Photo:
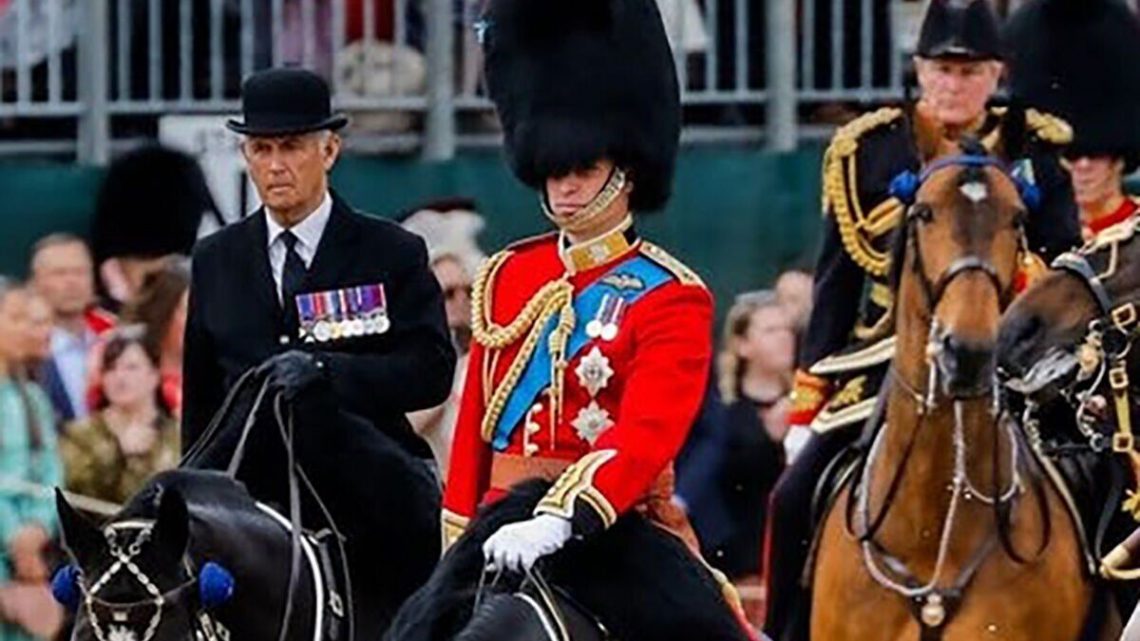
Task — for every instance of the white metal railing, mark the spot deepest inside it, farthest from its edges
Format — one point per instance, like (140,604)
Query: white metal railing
(398,63)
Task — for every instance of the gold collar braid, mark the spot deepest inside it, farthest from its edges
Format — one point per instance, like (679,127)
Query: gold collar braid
(554,298)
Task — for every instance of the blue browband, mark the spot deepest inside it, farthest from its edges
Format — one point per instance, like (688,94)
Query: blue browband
(905,186)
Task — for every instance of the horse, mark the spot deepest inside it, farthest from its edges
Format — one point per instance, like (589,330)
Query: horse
(359,535)
(1071,336)
(634,581)
(947,528)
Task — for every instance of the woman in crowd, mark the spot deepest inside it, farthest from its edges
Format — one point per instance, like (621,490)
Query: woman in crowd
(29,467)
(131,436)
(161,307)
(754,376)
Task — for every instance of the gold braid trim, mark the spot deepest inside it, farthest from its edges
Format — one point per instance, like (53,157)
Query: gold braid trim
(553,298)
(841,192)
(577,482)
(453,526)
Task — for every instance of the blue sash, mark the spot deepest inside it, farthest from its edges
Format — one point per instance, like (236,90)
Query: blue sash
(536,377)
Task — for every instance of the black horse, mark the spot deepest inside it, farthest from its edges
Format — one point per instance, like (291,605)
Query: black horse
(369,536)
(632,582)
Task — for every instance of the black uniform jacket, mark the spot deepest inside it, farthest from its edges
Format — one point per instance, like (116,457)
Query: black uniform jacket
(851,293)
(235,322)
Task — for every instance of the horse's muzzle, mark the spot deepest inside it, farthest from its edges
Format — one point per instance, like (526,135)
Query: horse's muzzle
(967,368)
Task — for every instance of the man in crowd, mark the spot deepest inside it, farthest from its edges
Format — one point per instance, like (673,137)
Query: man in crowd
(62,273)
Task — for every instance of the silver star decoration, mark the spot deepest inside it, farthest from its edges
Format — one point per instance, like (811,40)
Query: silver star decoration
(591,422)
(594,371)
(599,252)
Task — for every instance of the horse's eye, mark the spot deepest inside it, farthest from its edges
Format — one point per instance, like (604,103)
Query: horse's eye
(1019,219)
(921,212)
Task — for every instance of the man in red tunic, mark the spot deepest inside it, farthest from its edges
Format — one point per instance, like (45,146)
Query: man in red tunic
(591,346)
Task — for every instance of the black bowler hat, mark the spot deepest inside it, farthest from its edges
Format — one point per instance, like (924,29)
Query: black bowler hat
(960,29)
(278,102)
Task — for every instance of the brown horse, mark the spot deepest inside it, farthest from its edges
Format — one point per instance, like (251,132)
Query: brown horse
(951,530)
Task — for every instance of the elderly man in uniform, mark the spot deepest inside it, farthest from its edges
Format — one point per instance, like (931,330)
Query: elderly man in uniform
(849,340)
(308,288)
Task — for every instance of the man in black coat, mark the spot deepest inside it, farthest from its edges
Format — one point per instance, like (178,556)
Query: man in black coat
(308,289)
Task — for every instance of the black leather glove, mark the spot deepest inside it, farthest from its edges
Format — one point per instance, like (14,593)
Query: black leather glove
(292,372)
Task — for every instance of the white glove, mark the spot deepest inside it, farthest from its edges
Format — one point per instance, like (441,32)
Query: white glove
(517,546)
(795,440)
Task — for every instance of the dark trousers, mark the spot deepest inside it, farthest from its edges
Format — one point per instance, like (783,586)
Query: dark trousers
(792,531)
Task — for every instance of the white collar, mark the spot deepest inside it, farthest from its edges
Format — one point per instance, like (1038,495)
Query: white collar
(309,230)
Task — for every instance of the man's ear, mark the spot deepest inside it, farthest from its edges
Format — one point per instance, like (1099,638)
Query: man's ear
(331,150)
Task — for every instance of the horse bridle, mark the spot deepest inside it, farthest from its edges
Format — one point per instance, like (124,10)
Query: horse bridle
(933,606)
(205,626)
(1108,343)
(920,212)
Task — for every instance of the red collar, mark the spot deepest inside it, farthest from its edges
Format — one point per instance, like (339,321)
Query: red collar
(1122,213)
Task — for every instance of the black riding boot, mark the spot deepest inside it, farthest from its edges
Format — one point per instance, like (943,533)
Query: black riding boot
(792,531)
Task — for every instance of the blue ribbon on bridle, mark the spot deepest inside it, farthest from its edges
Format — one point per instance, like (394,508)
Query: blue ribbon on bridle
(905,185)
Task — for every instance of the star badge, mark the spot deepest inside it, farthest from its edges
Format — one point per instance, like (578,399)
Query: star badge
(591,422)
(594,371)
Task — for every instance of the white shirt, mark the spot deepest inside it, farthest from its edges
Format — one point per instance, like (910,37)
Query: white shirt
(308,233)
(70,353)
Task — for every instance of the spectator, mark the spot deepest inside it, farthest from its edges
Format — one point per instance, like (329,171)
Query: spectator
(62,273)
(149,208)
(132,435)
(794,290)
(449,227)
(37,346)
(160,307)
(28,462)
(754,375)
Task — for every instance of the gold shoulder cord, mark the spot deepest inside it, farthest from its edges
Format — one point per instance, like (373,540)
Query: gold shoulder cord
(841,193)
(553,298)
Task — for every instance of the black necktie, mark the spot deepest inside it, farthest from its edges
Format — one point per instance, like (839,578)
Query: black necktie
(292,275)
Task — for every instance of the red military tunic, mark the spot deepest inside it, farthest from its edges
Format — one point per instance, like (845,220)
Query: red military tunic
(627,402)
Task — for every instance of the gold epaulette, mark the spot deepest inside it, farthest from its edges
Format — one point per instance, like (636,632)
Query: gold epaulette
(679,270)
(1048,127)
(841,193)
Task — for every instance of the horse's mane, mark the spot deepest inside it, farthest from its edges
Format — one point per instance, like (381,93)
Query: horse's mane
(197,487)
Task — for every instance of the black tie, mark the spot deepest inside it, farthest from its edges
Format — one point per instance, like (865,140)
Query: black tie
(292,276)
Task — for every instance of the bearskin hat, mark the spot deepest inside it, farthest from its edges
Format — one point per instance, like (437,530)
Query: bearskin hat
(574,82)
(966,29)
(151,204)
(1073,58)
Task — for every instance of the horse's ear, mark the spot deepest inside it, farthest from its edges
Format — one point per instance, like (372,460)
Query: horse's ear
(172,528)
(929,137)
(81,538)
(1014,134)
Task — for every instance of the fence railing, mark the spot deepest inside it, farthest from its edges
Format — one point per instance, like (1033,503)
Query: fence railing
(409,70)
